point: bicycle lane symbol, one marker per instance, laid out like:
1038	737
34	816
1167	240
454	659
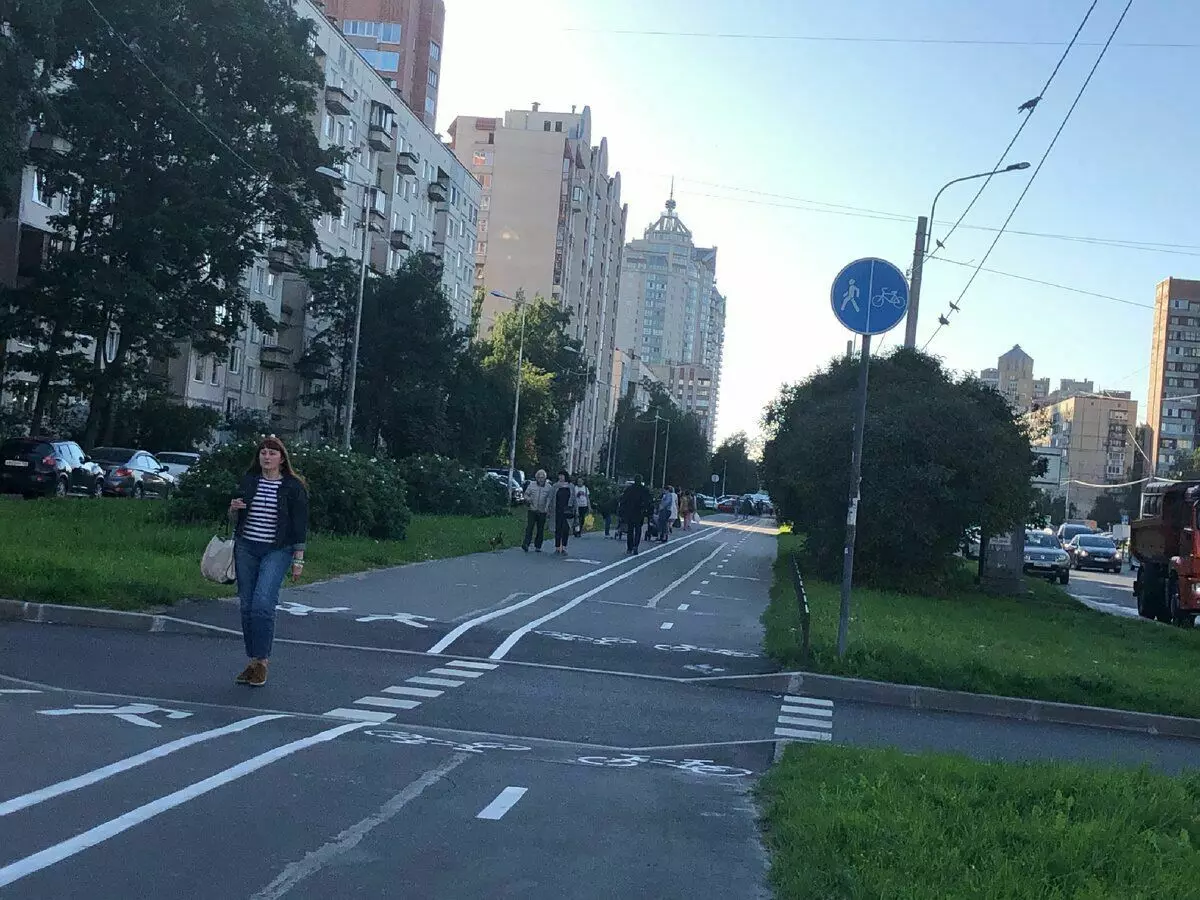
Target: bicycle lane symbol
133	713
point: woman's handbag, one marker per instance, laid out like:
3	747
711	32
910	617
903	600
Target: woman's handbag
217	562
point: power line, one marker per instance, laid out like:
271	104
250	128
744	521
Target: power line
1030	107
1083	88
1061	287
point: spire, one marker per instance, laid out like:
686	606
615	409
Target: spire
671	199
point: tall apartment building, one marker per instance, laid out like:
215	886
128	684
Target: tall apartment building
1016	378
1094	434
418	198
672	315
551	222
990	377
402	39
1174	374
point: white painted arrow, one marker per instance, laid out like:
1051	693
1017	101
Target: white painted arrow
403	618
134	713
299	609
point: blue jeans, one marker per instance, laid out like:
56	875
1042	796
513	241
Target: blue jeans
261	569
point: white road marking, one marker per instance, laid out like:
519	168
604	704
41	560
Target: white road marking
739	577
313	862
713	573
511	641
818	711
803	735
705	581
695	593
403	690
457	673
365	716
436	682
472	664
808	701
586	562
124	765
666	626
403	618
133	713
653	601
18	691
684	606
463	628
388	702
299	609
807	723
43	859
505	801
475	612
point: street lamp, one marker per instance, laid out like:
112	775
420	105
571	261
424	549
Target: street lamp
348	426
512	444
921	249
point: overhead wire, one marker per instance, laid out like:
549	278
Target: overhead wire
943	320
1051	284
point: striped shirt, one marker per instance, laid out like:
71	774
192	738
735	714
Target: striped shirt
262	518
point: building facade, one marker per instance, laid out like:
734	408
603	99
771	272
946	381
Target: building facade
1174	374
402	39
1016	378
551	223
672	315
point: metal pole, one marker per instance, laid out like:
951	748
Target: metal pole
724	472
914	286
666	450
512	446
654	454
362	280
860	425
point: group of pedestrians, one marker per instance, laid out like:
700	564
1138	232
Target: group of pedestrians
637	509
568	502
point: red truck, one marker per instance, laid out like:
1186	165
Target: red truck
1165	544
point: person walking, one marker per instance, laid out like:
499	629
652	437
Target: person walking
635	503
582	505
564	505
685	509
270	515
539	496
608	509
668	509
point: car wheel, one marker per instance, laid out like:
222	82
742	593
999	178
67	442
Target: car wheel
1170	610
61	487
139	492
97	489
1065	577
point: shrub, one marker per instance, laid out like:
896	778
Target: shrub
349	493
443	486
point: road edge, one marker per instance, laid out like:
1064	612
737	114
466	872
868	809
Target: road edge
92	617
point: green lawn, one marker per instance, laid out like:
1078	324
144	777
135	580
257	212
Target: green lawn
1045	645
867	824
122	554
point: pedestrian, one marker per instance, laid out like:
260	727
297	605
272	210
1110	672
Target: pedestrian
668	509
635	503
608	509
539	496
747	507
564	505
685	509
582	505
270	516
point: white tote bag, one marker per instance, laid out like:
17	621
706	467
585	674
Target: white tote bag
217	562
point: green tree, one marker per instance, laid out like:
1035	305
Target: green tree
478	408
168	176
684	452
1108	508
940	455
325	362
732	461
160	422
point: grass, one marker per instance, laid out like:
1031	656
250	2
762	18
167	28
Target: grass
863	824
122	554
1044	645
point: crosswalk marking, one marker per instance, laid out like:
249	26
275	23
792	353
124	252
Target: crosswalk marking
388	702
803	735
404	690
808	711
472	664
360	715
808	701
436	682
808	723
457	673
804	719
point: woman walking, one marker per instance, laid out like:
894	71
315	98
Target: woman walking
685	509
271	512
564	505
582	504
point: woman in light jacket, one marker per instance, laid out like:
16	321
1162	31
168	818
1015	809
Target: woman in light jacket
539	495
564	510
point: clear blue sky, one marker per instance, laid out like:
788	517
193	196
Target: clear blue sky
879	126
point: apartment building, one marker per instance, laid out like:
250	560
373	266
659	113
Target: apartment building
401	182
1016	378
990	377
1094	434
551	223
1174	374
402	40
671	313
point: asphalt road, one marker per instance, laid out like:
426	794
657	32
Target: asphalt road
1104	591
497	726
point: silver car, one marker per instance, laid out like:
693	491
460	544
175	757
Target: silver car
1045	556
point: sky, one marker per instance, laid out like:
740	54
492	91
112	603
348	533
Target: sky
778	143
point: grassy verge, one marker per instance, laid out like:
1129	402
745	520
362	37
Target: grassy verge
122	554
856	823
1044	646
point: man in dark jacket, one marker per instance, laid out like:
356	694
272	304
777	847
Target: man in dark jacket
635	505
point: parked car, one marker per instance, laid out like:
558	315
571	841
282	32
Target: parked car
515	492
728	504
133	473
705	501
1092	551
177	462
41	467
1045	556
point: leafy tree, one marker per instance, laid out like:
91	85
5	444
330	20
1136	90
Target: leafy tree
940	455
1108	509
478	408
685	452
167	184
325	362
732	461
158	422
247	424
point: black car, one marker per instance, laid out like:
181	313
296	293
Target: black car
43	467
1092	551
133	473
1045	556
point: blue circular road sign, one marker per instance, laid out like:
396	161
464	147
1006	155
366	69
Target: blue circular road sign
870	296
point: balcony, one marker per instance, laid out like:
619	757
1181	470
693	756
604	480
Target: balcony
379	138
407	162
400	239
282	260
48	143
378	209
274	356
338	100
437	192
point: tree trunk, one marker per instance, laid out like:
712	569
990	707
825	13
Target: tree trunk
46	373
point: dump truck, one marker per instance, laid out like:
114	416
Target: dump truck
1165	545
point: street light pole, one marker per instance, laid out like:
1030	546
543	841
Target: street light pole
358	308
654	453
921	250
512	444
666	450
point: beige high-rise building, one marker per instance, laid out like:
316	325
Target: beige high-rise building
551	222
1174	374
1016	378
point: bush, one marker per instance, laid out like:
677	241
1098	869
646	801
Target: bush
349	493
439	485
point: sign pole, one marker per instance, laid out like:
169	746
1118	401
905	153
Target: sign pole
860	424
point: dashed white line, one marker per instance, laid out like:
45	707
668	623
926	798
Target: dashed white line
819	712
406	691
808	701
359	715
505	801
803	735
807	723
457	673
705	581
436	682
695	593
653	601
18	691
684	606
666	626
472	664
388	702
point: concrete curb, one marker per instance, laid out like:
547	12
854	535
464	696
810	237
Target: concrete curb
911	696
54	614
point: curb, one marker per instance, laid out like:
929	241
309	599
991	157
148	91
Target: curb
152	623
911	696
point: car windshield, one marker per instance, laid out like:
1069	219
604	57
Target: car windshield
111	454
1094	540
1072	530
1040	539
179	459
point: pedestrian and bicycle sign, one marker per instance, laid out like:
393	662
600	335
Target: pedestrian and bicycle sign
870	296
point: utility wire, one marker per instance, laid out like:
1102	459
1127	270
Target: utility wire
1061	287
1083	88
1030	107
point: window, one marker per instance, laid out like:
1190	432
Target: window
39	189
270	288
235	360
481	158
390	33
112	342
433	78
426	242
481	248
264	383
362	29
212	372
546	125
558	126
350	142
197	368
486	180
345	219
328	129
430	104
258	280
485	202
435	52
254	333
383	60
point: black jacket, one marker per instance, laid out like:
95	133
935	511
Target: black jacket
635	503
292	528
